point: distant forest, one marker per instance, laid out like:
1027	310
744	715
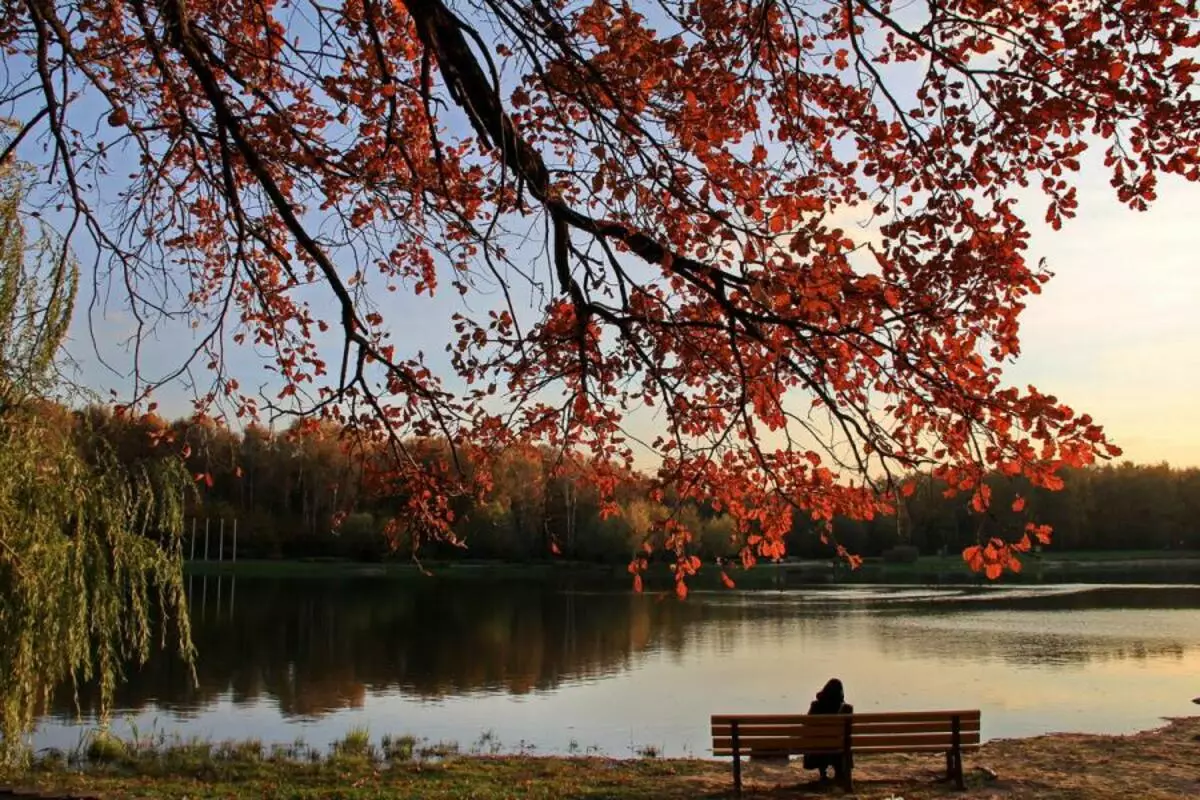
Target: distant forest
284	489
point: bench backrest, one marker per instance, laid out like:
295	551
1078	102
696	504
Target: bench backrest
898	732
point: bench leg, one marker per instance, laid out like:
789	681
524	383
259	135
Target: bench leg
956	760
847	773
737	760
956	752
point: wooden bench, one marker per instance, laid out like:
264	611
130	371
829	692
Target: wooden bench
845	735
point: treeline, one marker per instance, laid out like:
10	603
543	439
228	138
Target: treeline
284	488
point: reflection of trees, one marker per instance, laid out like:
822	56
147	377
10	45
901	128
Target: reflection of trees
317	646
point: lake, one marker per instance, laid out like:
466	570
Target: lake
557	668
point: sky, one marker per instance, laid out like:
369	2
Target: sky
1115	331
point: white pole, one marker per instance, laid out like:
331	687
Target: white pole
206	538
234	544
221	543
192	557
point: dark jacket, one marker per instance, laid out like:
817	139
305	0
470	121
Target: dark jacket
830	700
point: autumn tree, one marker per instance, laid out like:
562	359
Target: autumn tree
643	206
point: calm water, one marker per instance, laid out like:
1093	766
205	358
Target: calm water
560	669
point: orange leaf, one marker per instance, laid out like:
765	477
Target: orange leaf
974	557
1019	504
728	581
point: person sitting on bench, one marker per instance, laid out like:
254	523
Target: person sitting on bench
830	700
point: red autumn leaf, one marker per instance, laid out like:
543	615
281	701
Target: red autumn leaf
728	581
1041	532
1018	504
981	499
974	557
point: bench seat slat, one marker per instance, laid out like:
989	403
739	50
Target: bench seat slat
910	748
900	740
780	751
919	716
778	730
897	716
794	743
857	726
912	727
923	748
804	744
772	719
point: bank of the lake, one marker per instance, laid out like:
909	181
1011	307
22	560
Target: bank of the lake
1154	765
1123	566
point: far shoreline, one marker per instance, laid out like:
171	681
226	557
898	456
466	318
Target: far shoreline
1066	567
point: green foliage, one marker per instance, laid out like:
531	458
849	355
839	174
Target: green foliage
38	283
104	748
398	748
89	543
355	744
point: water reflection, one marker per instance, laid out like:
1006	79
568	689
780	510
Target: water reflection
547	656
316	646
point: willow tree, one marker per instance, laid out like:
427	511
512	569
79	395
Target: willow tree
644	205
90	556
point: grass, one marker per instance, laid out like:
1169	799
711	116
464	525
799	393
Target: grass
1163	764
355	744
